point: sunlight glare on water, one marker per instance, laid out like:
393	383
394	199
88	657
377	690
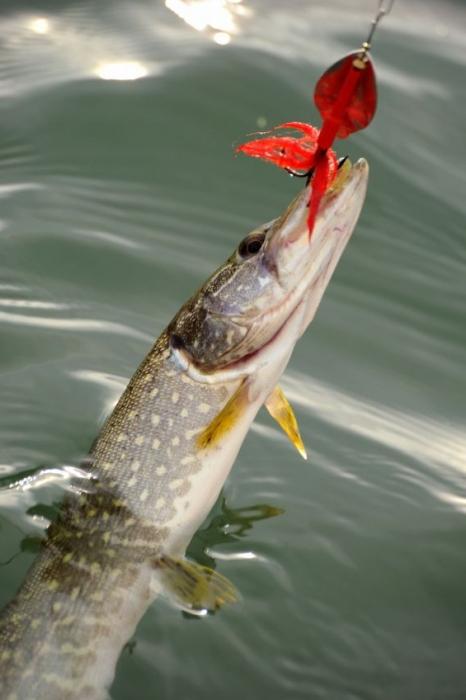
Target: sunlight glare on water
39	25
130	70
222	16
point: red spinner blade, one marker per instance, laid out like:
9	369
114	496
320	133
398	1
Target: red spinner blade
346	95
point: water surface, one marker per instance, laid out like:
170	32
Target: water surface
119	194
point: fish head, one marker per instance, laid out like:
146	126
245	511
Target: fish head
278	272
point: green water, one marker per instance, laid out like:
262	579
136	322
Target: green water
117	198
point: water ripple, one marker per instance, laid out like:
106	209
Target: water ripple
439	447
88	325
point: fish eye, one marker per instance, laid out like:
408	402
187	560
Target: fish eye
251	245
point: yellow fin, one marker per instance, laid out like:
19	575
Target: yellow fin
279	408
226	419
195	588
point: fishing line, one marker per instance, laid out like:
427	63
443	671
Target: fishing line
383	10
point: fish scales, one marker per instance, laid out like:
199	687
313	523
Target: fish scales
162	457
99	547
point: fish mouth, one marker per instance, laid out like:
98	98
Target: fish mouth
324	246
277	328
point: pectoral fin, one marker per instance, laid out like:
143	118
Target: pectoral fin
279	408
226	419
195	588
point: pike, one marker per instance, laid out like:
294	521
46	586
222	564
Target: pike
164	453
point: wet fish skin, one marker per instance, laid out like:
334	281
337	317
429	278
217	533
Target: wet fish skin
96	562
154	482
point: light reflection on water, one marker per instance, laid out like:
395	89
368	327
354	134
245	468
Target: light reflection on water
39	25
14	493
221	16
121	71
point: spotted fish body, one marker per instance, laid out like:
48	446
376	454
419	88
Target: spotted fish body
96	566
164	453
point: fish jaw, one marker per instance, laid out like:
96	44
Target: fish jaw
296	256
336	223
303	264
296	269
245	303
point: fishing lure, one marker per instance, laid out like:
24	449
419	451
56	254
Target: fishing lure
346	97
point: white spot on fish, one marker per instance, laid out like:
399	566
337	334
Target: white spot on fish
122	437
140	440
170	422
154	392
160	502
191	433
147	378
184	413
171	373
132	415
132	481
144	495
155	419
176	441
188	459
156	443
135	465
67	621
175	397
160	471
175	484
95	568
203	408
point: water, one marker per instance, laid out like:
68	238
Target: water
117	198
